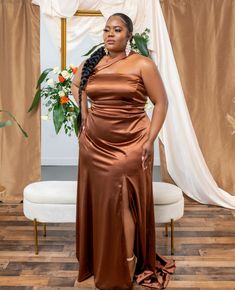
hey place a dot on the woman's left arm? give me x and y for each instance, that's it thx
(156, 91)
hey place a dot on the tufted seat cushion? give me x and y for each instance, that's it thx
(51, 201)
(168, 202)
(166, 193)
(51, 192)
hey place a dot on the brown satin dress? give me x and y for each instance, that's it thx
(110, 150)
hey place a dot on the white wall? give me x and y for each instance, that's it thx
(61, 149)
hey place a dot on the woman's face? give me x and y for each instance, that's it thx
(115, 34)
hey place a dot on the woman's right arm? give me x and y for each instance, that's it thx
(75, 88)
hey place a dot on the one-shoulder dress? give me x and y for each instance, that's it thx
(110, 150)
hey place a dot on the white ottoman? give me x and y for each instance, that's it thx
(168, 206)
(50, 201)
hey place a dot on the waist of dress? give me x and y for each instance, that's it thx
(116, 128)
(117, 110)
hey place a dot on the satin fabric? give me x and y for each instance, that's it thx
(110, 150)
(206, 67)
(20, 157)
(183, 156)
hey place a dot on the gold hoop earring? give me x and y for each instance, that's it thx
(106, 51)
(128, 48)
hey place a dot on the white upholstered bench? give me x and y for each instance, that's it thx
(55, 202)
(168, 206)
(50, 202)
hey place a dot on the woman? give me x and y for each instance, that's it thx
(115, 211)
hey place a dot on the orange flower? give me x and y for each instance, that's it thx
(64, 100)
(74, 69)
(61, 79)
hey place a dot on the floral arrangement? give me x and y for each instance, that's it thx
(56, 93)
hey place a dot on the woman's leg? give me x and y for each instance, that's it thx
(129, 228)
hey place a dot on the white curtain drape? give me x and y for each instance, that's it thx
(185, 162)
(79, 27)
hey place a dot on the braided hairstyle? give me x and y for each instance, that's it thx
(93, 60)
(87, 70)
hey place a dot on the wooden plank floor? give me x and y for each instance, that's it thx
(204, 251)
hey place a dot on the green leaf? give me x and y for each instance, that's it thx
(21, 129)
(141, 44)
(43, 76)
(75, 125)
(36, 101)
(76, 109)
(5, 123)
(92, 49)
(58, 117)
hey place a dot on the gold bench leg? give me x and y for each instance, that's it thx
(44, 230)
(166, 230)
(172, 237)
(35, 235)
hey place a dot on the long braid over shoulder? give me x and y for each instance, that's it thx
(87, 70)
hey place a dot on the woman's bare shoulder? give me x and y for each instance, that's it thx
(142, 60)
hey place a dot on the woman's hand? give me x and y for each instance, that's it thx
(147, 152)
(83, 122)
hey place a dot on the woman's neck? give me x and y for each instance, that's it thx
(115, 54)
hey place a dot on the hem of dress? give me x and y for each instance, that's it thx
(85, 277)
(164, 268)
